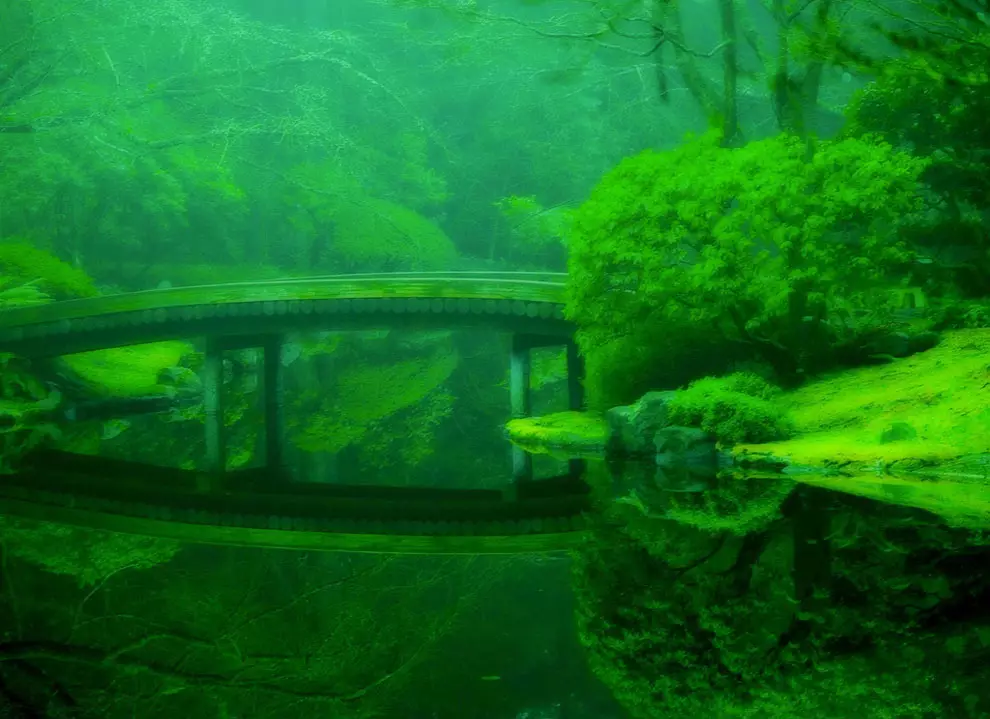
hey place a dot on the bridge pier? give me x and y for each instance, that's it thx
(271, 388)
(520, 369)
(271, 450)
(520, 400)
(520, 395)
(216, 446)
(575, 378)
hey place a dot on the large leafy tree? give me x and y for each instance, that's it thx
(933, 100)
(762, 245)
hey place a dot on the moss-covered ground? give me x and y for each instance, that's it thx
(938, 403)
(942, 396)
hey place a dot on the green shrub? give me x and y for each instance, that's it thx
(736, 408)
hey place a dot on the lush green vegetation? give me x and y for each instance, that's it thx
(775, 244)
(780, 188)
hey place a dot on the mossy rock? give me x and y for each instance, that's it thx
(898, 432)
(125, 371)
(632, 428)
(840, 420)
(570, 434)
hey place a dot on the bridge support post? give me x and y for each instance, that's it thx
(273, 455)
(216, 459)
(575, 378)
(520, 367)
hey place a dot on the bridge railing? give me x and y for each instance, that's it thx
(533, 287)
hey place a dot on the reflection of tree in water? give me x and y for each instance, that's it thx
(226, 632)
(838, 607)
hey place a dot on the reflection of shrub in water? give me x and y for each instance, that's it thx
(841, 607)
(690, 497)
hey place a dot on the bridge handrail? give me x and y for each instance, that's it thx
(467, 285)
(493, 274)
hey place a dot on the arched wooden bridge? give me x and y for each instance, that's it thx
(524, 303)
(264, 506)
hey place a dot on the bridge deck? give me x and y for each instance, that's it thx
(527, 303)
(255, 508)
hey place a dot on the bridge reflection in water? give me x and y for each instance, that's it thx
(264, 506)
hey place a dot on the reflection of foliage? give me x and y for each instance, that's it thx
(765, 242)
(567, 434)
(26, 403)
(735, 408)
(656, 625)
(407, 439)
(836, 609)
(26, 409)
(960, 501)
(89, 555)
(725, 504)
(726, 509)
(330, 419)
(549, 367)
(226, 632)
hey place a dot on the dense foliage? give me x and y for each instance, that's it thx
(185, 142)
(771, 244)
(938, 111)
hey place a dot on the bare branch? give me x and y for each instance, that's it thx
(96, 658)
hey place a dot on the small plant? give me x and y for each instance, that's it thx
(735, 408)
